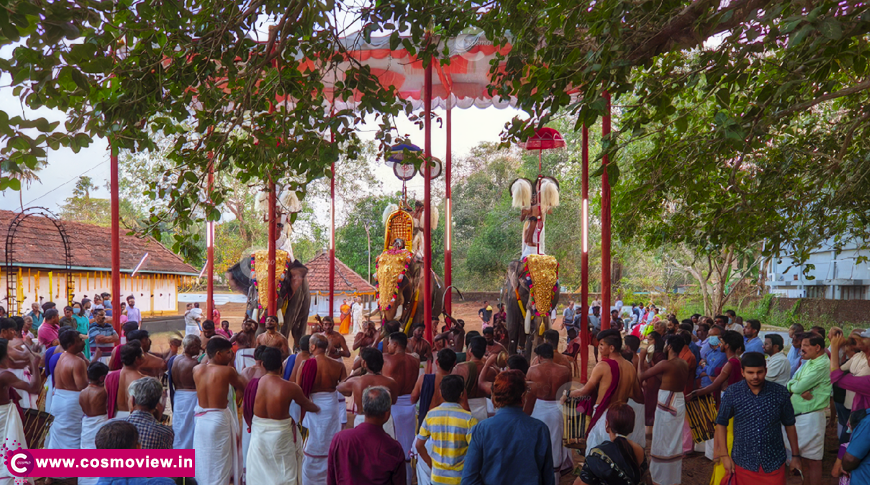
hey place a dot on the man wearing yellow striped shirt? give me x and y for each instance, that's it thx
(444, 435)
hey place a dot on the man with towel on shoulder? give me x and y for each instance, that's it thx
(368, 375)
(404, 369)
(93, 403)
(470, 371)
(251, 375)
(182, 391)
(666, 451)
(10, 419)
(547, 380)
(70, 377)
(216, 455)
(275, 451)
(318, 377)
(118, 381)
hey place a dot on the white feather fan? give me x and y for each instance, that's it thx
(289, 201)
(549, 195)
(521, 192)
(262, 202)
(387, 211)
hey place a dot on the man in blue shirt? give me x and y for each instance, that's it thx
(857, 458)
(510, 447)
(751, 341)
(709, 368)
(759, 409)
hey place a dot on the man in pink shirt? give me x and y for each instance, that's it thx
(47, 333)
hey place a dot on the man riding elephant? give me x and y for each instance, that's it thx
(293, 297)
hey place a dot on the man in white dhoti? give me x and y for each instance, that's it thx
(811, 391)
(371, 365)
(10, 421)
(182, 390)
(318, 379)
(93, 402)
(215, 437)
(547, 380)
(70, 378)
(275, 450)
(666, 451)
(404, 369)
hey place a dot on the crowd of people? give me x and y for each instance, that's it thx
(458, 410)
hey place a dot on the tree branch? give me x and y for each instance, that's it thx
(826, 97)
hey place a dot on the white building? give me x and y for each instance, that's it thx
(834, 275)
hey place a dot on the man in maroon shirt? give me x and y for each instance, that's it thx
(366, 455)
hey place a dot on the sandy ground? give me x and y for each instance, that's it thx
(697, 470)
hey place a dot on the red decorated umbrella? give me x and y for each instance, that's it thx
(544, 139)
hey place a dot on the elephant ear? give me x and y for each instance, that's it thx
(237, 279)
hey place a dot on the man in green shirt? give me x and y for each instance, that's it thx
(811, 393)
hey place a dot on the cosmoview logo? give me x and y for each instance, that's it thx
(20, 462)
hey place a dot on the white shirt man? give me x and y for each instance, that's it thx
(778, 366)
(191, 321)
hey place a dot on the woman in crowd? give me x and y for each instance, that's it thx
(619, 461)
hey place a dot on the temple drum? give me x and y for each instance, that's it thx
(576, 421)
(36, 426)
(701, 413)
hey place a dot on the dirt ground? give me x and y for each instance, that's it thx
(697, 469)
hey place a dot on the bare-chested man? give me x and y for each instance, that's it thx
(666, 452)
(369, 375)
(273, 338)
(552, 337)
(93, 402)
(118, 381)
(251, 375)
(547, 380)
(70, 377)
(208, 331)
(152, 365)
(275, 451)
(368, 337)
(318, 377)
(492, 346)
(404, 369)
(615, 380)
(10, 419)
(182, 389)
(471, 370)
(458, 330)
(337, 344)
(418, 345)
(217, 459)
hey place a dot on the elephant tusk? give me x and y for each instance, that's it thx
(280, 315)
(528, 322)
(255, 314)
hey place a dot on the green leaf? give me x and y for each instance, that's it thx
(831, 29)
(682, 124)
(801, 34)
(14, 184)
(191, 177)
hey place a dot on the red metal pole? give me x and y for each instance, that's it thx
(448, 218)
(584, 257)
(332, 238)
(116, 243)
(210, 240)
(427, 201)
(605, 225)
(273, 229)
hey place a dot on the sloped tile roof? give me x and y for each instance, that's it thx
(346, 280)
(38, 243)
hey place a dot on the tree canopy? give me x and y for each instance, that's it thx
(737, 122)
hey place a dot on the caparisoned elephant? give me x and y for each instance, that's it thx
(407, 286)
(293, 299)
(516, 286)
